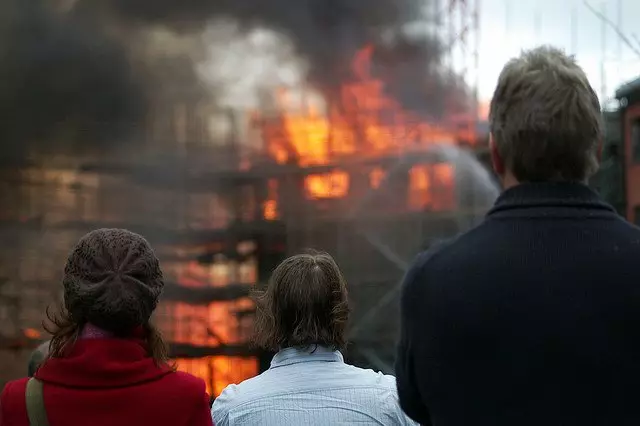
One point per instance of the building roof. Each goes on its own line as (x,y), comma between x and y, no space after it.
(629,88)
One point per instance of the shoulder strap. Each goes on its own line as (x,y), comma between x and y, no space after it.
(35,403)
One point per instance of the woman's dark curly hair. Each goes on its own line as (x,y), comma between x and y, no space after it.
(304,304)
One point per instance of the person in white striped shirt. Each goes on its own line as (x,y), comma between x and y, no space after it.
(303,315)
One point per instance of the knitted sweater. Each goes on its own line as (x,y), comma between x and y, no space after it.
(531,318)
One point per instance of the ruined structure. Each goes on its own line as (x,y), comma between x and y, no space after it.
(356,168)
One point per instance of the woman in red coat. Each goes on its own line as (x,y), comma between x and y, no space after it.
(107,365)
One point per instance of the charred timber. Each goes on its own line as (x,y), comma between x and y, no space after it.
(185,350)
(250,231)
(176,350)
(205,257)
(245,231)
(205,295)
(219,178)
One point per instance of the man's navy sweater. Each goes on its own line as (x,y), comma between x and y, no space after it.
(531,318)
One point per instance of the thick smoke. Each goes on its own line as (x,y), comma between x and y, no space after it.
(63,82)
(302,19)
(82,77)
(327,33)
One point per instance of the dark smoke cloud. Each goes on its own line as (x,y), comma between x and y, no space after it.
(64,83)
(66,79)
(298,16)
(327,33)
(412,75)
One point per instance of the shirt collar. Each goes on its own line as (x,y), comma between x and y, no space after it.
(315,353)
(549,194)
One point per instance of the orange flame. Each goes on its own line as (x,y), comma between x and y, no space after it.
(483,110)
(362,121)
(270,206)
(212,325)
(330,185)
(32,333)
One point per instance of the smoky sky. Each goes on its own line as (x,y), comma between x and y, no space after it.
(327,33)
(63,83)
(67,80)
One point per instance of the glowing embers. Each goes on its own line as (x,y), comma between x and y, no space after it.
(218,372)
(357,128)
(334,184)
(431,187)
(270,205)
(213,324)
(376,176)
(31,333)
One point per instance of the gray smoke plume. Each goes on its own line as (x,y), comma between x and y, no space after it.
(327,34)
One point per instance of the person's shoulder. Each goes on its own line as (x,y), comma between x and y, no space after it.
(15,386)
(234,393)
(369,377)
(13,395)
(627,228)
(426,258)
(384,389)
(435,250)
(193,394)
(624,238)
(186,384)
(230,397)
(617,230)
(187,379)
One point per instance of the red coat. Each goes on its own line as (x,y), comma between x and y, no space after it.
(110,382)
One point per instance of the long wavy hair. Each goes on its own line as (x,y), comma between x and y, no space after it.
(65,331)
(304,304)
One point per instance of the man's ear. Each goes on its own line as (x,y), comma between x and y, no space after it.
(496,159)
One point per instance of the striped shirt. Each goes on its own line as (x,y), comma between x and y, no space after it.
(311,388)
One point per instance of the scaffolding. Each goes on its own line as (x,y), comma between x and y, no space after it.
(212,246)
(218,233)
(224,196)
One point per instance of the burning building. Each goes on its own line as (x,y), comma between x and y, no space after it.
(362,158)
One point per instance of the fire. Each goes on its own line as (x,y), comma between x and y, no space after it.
(32,333)
(270,206)
(423,178)
(330,185)
(376,177)
(212,324)
(483,110)
(360,122)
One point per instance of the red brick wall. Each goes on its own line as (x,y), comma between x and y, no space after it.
(632,168)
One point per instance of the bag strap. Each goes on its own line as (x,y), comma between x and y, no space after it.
(35,404)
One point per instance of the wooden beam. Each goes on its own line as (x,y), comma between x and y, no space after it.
(185,350)
(205,295)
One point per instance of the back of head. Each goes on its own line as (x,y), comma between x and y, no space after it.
(545,118)
(304,304)
(112,280)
